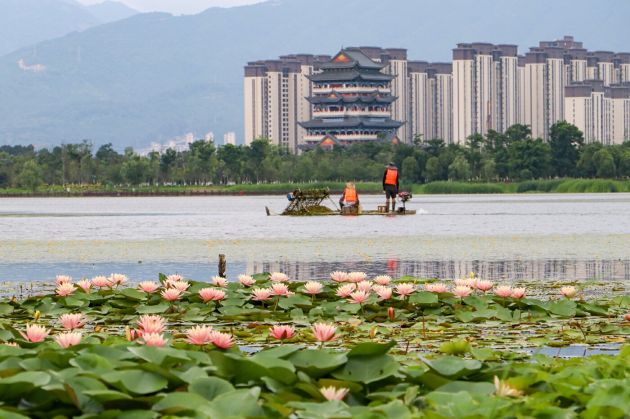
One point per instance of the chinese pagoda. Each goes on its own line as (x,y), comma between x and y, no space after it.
(351,100)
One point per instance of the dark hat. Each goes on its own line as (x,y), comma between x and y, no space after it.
(391,163)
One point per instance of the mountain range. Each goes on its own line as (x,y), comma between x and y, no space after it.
(154,76)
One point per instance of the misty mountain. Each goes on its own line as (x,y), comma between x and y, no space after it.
(110,11)
(27,22)
(155,76)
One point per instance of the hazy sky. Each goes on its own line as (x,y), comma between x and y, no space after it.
(176,6)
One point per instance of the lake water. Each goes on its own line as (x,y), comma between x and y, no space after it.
(502,237)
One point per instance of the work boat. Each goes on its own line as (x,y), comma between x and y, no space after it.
(310,202)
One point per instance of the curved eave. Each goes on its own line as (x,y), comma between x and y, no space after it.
(315,100)
(349,76)
(351,123)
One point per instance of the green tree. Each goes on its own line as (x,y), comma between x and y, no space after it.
(459,169)
(432,169)
(410,167)
(604,163)
(30,176)
(529,159)
(565,141)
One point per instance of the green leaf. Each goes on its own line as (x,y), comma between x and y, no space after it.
(469,387)
(154,309)
(371,348)
(6,309)
(133,294)
(423,298)
(317,362)
(237,403)
(181,402)
(164,357)
(92,363)
(295,300)
(105,396)
(136,381)
(210,387)
(453,367)
(367,369)
(563,307)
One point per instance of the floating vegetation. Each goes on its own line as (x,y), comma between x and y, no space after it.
(351,346)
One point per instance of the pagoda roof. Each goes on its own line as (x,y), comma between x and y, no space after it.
(352,122)
(352,57)
(351,75)
(336,97)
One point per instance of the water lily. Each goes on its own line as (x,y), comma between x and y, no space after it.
(151,323)
(518,293)
(462,291)
(568,291)
(221,340)
(261,294)
(68,339)
(62,279)
(199,335)
(503,291)
(313,287)
(148,286)
(383,292)
(118,279)
(364,286)
(333,393)
(627,317)
(405,289)
(280,289)
(181,285)
(357,276)
(503,389)
(171,294)
(65,289)
(324,332)
(246,280)
(35,333)
(383,279)
(101,282)
(72,321)
(154,339)
(219,281)
(484,285)
(85,285)
(391,314)
(211,294)
(344,291)
(359,297)
(339,276)
(282,332)
(465,282)
(437,287)
(278,277)
(174,278)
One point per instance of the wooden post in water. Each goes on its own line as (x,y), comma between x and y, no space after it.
(222,265)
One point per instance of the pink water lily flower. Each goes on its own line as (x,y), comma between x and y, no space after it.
(151,323)
(518,293)
(345,290)
(65,289)
(503,291)
(462,291)
(211,294)
(35,333)
(278,277)
(261,294)
(246,280)
(85,285)
(174,278)
(199,335)
(324,332)
(101,282)
(437,287)
(219,281)
(118,279)
(568,291)
(313,287)
(282,332)
(153,339)
(339,276)
(627,317)
(171,294)
(484,285)
(280,289)
(221,340)
(383,292)
(62,279)
(359,297)
(405,289)
(72,321)
(181,285)
(333,393)
(465,282)
(383,279)
(68,339)
(364,286)
(357,276)
(148,286)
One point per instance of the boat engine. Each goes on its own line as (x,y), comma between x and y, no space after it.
(404,197)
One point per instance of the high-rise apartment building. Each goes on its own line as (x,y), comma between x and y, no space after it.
(430,98)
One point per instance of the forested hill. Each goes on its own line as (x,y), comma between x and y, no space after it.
(155,76)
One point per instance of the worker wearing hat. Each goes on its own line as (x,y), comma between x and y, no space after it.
(390,185)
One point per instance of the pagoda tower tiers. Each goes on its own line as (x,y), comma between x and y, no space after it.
(351,100)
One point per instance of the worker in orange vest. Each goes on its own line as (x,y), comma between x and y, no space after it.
(350,197)
(390,185)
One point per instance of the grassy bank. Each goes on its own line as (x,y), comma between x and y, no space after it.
(441,187)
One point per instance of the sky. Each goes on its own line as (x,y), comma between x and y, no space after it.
(176,6)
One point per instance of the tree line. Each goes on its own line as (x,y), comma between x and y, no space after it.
(510,156)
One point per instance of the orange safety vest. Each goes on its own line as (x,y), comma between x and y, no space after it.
(350,195)
(391,176)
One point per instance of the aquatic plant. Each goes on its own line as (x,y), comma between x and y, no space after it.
(72,321)
(68,339)
(35,333)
